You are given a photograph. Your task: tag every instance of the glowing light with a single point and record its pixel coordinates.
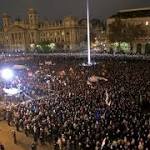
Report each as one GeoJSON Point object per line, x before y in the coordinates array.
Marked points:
{"type": "Point", "coordinates": [52, 45]}
{"type": "Point", "coordinates": [12, 91]}
{"type": "Point", "coordinates": [7, 74]}
{"type": "Point", "coordinates": [32, 45]}
{"type": "Point", "coordinates": [146, 23]}
{"type": "Point", "coordinates": [39, 46]}
{"type": "Point", "coordinates": [30, 74]}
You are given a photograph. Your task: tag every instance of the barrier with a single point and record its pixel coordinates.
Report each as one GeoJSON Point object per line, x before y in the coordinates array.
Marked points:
{"type": "Point", "coordinates": [79, 55]}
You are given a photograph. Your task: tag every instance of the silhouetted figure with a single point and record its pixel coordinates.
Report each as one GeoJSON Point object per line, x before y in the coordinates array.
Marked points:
{"type": "Point", "coordinates": [14, 137]}
{"type": "Point", "coordinates": [2, 147]}
{"type": "Point", "coordinates": [33, 146]}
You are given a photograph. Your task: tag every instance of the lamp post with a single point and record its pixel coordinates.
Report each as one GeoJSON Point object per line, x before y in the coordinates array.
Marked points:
{"type": "Point", "coordinates": [88, 32]}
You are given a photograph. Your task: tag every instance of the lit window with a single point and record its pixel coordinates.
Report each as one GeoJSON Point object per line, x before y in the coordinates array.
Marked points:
{"type": "Point", "coordinates": [146, 23]}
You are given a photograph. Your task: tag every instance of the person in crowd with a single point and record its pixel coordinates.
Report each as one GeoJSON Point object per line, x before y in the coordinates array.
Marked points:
{"type": "Point", "coordinates": [14, 136]}
{"type": "Point", "coordinates": [33, 146]}
{"type": "Point", "coordinates": [2, 146]}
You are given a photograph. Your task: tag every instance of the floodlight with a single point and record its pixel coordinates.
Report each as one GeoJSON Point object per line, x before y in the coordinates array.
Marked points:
{"type": "Point", "coordinates": [7, 74]}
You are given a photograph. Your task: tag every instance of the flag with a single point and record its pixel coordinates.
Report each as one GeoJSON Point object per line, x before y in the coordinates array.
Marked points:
{"type": "Point", "coordinates": [107, 98]}
{"type": "Point", "coordinates": [103, 143]}
{"type": "Point", "coordinates": [89, 83]}
{"type": "Point", "coordinates": [30, 74]}
{"type": "Point", "coordinates": [141, 99]}
{"type": "Point", "coordinates": [97, 115]}
{"type": "Point", "coordinates": [96, 78]}
{"type": "Point", "coordinates": [93, 78]}
{"type": "Point", "coordinates": [48, 62]}
{"type": "Point", "coordinates": [71, 71]}
{"type": "Point", "coordinates": [102, 78]}
{"type": "Point", "coordinates": [19, 67]}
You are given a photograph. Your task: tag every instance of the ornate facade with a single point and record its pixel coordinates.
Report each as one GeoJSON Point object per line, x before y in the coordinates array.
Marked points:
{"type": "Point", "coordinates": [19, 35]}
{"type": "Point", "coordinates": [139, 16]}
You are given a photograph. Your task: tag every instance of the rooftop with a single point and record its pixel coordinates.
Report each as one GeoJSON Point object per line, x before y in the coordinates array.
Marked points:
{"type": "Point", "coordinates": [133, 13]}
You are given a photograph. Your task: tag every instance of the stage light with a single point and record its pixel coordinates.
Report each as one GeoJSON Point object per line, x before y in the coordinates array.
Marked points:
{"type": "Point", "coordinates": [7, 74]}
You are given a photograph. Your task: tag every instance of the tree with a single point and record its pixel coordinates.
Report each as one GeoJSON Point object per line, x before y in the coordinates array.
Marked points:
{"type": "Point", "coordinates": [45, 47]}
{"type": "Point", "coordinates": [42, 47]}
{"type": "Point", "coordinates": [134, 32]}
{"type": "Point", "coordinates": [98, 23]}
{"type": "Point", "coordinates": [116, 33]}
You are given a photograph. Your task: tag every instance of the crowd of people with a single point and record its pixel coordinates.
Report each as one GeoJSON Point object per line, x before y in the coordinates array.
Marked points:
{"type": "Point", "coordinates": [77, 107]}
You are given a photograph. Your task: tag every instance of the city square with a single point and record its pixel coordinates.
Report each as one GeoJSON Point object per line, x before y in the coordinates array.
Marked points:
{"type": "Point", "coordinates": [79, 81]}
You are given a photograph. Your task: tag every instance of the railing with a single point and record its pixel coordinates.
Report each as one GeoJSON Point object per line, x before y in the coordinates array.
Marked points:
{"type": "Point", "coordinates": [80, 55]}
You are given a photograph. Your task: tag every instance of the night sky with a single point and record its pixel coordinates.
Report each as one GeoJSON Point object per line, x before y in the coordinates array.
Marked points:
{"type": "Point", "coordinates": [56, 9]}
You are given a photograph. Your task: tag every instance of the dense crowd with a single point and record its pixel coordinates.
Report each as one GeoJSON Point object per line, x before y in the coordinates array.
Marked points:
{"type": "Point", "coordinates": [79, 107]}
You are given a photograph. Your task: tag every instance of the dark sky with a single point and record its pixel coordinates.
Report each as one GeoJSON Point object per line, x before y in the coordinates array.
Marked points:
{"type": "Point", "coordinates": [56, 9]}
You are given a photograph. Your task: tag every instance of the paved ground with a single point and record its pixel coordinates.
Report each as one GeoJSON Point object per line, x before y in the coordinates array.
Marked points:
{"type": "Point", "coordinates": [23, 142]}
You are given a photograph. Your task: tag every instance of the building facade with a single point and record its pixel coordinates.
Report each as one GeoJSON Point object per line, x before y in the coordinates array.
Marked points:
{"type": "Point", "coordinates": [141, 17]}
{"type": "Point", "coordinates": [19, 35]}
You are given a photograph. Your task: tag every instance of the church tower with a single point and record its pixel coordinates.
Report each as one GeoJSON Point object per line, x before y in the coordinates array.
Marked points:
{"type": "Point", "coordinates": [6, 21]}
{"type": "Point", "coordinates": [33, 18]}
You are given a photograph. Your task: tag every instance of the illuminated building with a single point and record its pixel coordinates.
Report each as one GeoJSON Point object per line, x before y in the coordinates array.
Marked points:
{"type": "Point", "coordinates": [23, 35]}
{"type": "Point", "coordinates": [141, 17]}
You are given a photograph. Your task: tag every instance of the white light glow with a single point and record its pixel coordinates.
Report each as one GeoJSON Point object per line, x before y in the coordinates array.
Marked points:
{"type": "Point", "coordinates": [7, 74]}
{"type": "Point", "coordinates": [32, 45]}
{"type": "Point", "coordinates": [146, 23]}
{"type": "Point", "coordinates": [12, 91]}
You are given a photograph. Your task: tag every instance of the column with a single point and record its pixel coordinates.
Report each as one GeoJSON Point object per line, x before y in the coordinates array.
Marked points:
{"type": "Point", "coordinates": [134, 49]}
{"type": "Point", "coordinates": [143, 48]}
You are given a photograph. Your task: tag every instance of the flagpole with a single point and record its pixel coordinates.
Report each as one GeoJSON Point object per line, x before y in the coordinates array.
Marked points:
{"type": "Point", "coordinates": [88, 32]}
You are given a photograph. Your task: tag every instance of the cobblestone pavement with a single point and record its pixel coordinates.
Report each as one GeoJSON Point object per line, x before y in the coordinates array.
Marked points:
{"type": "Point", "coordinates": [23, 142]}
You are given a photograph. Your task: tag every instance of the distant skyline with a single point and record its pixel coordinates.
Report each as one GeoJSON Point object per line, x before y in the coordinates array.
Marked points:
{"type": "Point", "coordinates": [57, 9]}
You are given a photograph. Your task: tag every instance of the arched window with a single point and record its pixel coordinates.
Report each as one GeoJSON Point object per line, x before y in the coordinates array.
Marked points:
{"type": "Point", "coordinates": [147, 48]}
{"type": "Point", "coordinates": [139, 48]}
